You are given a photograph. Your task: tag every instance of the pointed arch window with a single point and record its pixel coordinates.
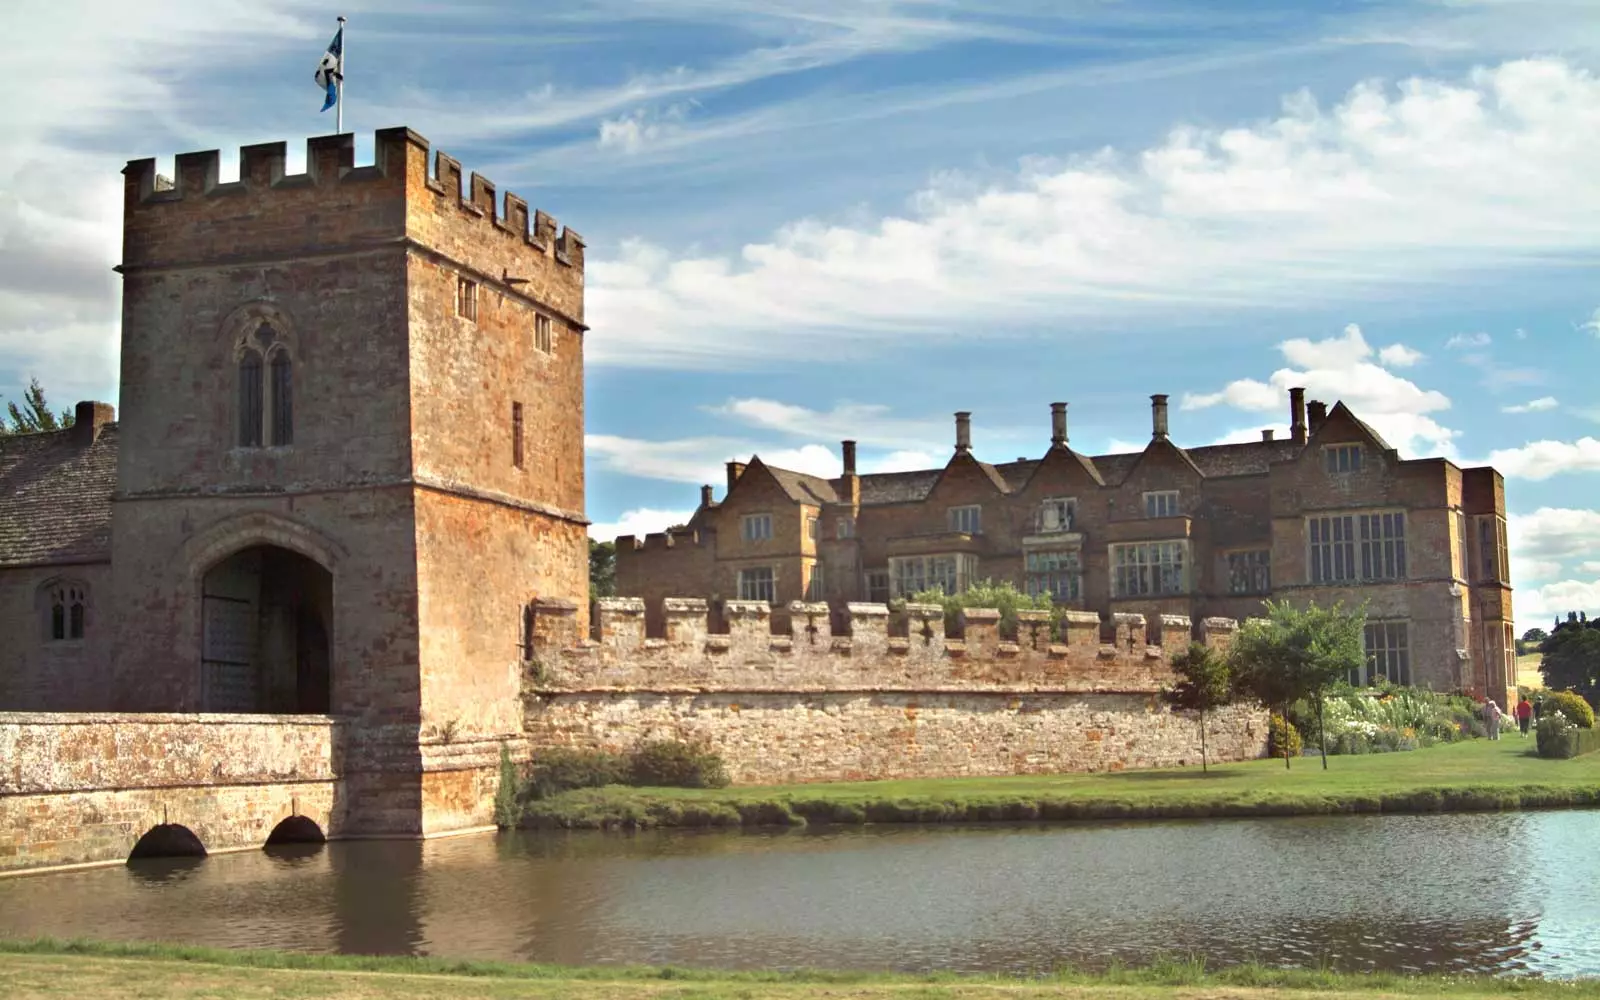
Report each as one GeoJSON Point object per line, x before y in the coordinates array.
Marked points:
{"type": "Point", "coordinates": [282, 381]}
{"type": "Point", "coordinates": [251, 417]}
{"type": "Point", "coordinates": [66, 612]}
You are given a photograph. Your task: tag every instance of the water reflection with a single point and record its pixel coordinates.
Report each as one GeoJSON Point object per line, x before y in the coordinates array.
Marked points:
{"type": "Point", "coordinates": [1474, 893]}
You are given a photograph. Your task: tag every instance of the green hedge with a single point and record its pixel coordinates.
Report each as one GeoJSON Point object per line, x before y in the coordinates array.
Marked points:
{"type": "Point", "coordinates": [1560, 739]}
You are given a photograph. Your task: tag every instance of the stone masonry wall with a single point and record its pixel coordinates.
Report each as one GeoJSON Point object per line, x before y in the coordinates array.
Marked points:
{"type": "Point", "coordinates": [801, 704]}
{"type": "Point", "coordinates": [772, 738]}
{"type": "Point", "coordinates": [84, 788]}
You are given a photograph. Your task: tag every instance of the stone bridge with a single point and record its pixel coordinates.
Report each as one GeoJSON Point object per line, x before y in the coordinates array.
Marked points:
{"type": "Point", "coordinates": [78, 789]}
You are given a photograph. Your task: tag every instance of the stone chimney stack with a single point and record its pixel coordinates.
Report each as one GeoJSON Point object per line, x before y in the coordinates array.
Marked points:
{"type": "Point", "coordinates": [705, 495]}
{"type": "Point", "coordinates": [963, 432]}
{"type": "Point", "coordinates": [849, 450]}
{"type": "Point", "coordinates": [1058, 424]}
{"type": "Point", "coordinates": [735, 470]}
{"type": "Point", "coordinates": [1297, 415]}
{"type": "Point", "coordinates": [1266, 435]}
{"type": "Point", "coordinates": [1317, 412]}
{"type": "Point", "coordinates": [1158, 417]}
{"type": "Point", "coordinates": [88, 417]}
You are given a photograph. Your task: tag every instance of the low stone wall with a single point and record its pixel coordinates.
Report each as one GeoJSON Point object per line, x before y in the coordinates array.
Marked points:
{"type": "Point", "coordinates": [76, 788]}
{"type": "Point", "coordinates": [772, 738]}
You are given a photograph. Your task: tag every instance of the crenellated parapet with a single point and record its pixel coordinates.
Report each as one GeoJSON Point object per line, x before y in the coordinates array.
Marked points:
{"type": "Point", "coordinates": [877, 649]}
{"type": "Point", "coordinates": [408, 194]}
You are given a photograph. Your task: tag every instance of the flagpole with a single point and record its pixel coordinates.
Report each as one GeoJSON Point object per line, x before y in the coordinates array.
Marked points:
{"type": "Point", "coordinates": [338, 97]}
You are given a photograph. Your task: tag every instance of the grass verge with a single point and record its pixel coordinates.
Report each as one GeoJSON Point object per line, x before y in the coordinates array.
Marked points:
{"type": "Point", "coordinates": [50, 968]}
{"type": "Point", "coordinates": [1477, 776]}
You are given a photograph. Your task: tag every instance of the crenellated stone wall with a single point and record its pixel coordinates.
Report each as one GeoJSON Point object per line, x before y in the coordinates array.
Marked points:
{"type": "Point", "coordinates": [800, 704]}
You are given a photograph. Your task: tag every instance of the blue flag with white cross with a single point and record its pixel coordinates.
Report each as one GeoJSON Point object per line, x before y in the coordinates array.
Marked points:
{"type": "Point", "coordinates": [331, 70]}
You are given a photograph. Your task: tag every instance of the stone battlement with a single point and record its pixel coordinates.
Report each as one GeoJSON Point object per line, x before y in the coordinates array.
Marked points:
{"type": "Point", "coordinates": [334, 198]}
{"type": "Point", "coordinates": [1085, 653]}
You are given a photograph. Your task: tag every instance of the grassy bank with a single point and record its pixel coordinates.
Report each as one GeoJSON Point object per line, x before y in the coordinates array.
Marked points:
{"type": "Point", "coordinates": [1476, 776]}
{"type": "Point", "coordinates": [53, 969]}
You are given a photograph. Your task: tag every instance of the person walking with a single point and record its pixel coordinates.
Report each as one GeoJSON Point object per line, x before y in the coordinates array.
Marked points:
{"type": "Point", "coordinates": [1491, 717]}
{"type": "Point", "coordinates": [1524, 715]}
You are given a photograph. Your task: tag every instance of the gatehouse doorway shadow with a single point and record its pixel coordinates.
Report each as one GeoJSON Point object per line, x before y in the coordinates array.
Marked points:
{"type": "Point", "coordinates": [266, 628]}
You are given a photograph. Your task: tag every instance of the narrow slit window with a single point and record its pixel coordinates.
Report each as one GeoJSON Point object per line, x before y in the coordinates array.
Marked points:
{"type": "Point", "coordinates": [467, 299]}
{"type": "Point", "coordinates": [516, 434]}
{"type": "Point", "coordinates": [543, 335]}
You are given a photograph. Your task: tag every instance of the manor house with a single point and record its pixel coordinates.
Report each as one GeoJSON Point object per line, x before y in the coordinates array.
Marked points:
{"type": "Point", "coordinates": [1332, 513]}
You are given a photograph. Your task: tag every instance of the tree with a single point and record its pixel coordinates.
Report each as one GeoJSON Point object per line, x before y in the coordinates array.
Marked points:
{"type": "Point", "coordinates": [1205, 684]}
{"type": "Point", "coordinates": [1572, 661]}
{"type": "Point", "coordinates": [1296, 653]}
{"type": "Point", "coordinates": [602, 569]}
{"type": "Point", "coordinates": [34, 414]}
{"type": "Point", "coordinates": [1535, 636]}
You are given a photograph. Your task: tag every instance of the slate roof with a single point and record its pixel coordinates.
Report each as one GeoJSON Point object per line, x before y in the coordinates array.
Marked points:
{"type": "Point", "coordinates": [1249, 458]}
{"type": "Point", "coordinates": [55, 497]}
{"type": "Point", "coordinates": [803, 488]}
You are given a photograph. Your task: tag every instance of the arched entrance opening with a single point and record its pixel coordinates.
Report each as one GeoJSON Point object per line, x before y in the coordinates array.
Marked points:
{"type": "Point", "coordinates": [266, 633]}
{"type": "Point", "coordinates": [168, 840]}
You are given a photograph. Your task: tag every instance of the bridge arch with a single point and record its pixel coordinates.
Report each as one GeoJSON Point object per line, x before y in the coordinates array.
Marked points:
{"type": "Point", "coordinates": [168, 840]}
{"type": "Point", "coordinates": [296, 829]}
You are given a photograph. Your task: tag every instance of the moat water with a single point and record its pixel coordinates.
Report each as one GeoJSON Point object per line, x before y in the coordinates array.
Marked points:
{"type": "Point", "coordinates": [1497, 893]}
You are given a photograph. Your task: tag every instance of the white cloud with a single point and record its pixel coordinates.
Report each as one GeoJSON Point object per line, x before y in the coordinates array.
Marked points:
{"type": "Point", "coordinates": [1386, 186]}
{"type": "Point", "coordinates": [1537, 605]}
{"type": "Point", "coordinates": [704, 459]}
{"type": "Point", "coordinates": [1538, 460]}
{"type": "Point", "coordinates": [1399, 356]}
{"type": "Point", "coordinates": [1592, 324]}
{"type": "Point", "coordinates": [638, 522]}
{"type": "Point", "coordinates": [632, 133]}
{"type": "Point", "coordinates": [1342, 368]}
{"type": "Point", "coordinates": [1543, 542]}
{"type": "Point", "coordinates": [1532, 406]}
{"type": "Point", "coordinates": [1589, 566]}
{"type": "Point", "coordinates": [1462, 340]}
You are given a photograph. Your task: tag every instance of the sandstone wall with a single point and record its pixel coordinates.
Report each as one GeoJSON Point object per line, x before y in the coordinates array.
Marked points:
{"type": "Point", "coordinates": [85, 788]}
{"type": "Point", "coordinates": [799, 704]}
{"type": "Point", "coordinates": [772, 738]}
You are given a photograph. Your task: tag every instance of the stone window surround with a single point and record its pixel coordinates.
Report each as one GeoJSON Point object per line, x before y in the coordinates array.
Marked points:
{"type": "Point", "coordinates": [1343, 458]}
{"type": "Point", "coordinates": [544, 337]}
{"type": "Point", "coordinates": [1355, 547]}
{"type": "Point", "coordinates": [756, 527]}
{"type": "Point", "coordinates": [1057, 514]}
{"type": "Point", "coordinates": [966, 518]}
{"type": "Point", "coordinates": [1155, 570]}
{"type": "Point", "coordinates": [243, 330]}
{"type": "Point", "coordinates": [950, 571]}
{"type": "Point", "coordinates": [1247, 571]}
{"type": "Point", "coordinates": [466, 298]}
{"type": "Point", "coordinates": [1065, 568]}
{"type": "Point", "coordinates": [758, 583]}
{"type": "Point", "coordinates": [1386, 643]}
{"type": "Point", "coordinates": [1162, 503]}
{"type": "Point", "coordinates": [68, 594]}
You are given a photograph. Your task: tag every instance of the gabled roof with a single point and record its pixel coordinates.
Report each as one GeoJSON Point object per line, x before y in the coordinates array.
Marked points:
{"type": "Point", "coordinates": [1081, 461]}
{"type": "Point", "coordinates": [1244, 459]}
{"type": "Point", "coordinates": [1365, 427]}
{"type": "Point", "coordinates": [803, 488]}
{"type": "Point", "coordinates": [898, 487]}
{"type": "Point", "coordinates": [55, 497]}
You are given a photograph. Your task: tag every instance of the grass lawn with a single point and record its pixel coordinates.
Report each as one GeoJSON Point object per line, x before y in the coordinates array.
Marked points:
{"type": "Point", "coordinates": [1474, 775]}
{"type": "Point", "coordinates": [30, 970]}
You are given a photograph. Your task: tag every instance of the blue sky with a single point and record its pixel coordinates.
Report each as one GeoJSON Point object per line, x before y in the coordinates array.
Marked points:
{"type": "Point", "coordinates": [816, 220]}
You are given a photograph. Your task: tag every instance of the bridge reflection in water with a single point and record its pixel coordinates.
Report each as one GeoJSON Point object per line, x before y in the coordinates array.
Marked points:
{"type": "Point", "coordinates": [1472, 893]}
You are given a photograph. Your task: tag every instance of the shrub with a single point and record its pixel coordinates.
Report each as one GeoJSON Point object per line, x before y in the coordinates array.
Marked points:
{"type": "Point", "coordinates": [1559, 738]}
{"type": "Point", "coordinates": [1003, 596]}
{"type": "Point", "coordinates": [1570, 705]}
{"type": "Point", "coordinates": [1282, 734]}
{"type": "Point", "coordinates": [506, 808]}
{"type": "Point", "coordinates": [673, 764]}
{"type": "Point", "coordinates": [560, 769]}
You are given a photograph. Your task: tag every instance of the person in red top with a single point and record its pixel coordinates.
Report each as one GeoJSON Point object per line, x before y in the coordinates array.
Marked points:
{"type": "Point", "coordinates": [1524, 713]}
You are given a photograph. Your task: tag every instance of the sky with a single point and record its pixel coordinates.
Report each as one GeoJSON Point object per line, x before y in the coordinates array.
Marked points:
{"type": "Point", "coordinates": [811, 220]}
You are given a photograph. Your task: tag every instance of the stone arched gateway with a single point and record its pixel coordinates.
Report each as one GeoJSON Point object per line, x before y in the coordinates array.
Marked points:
{"type": "Point", "coordinates": [262, 615]}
